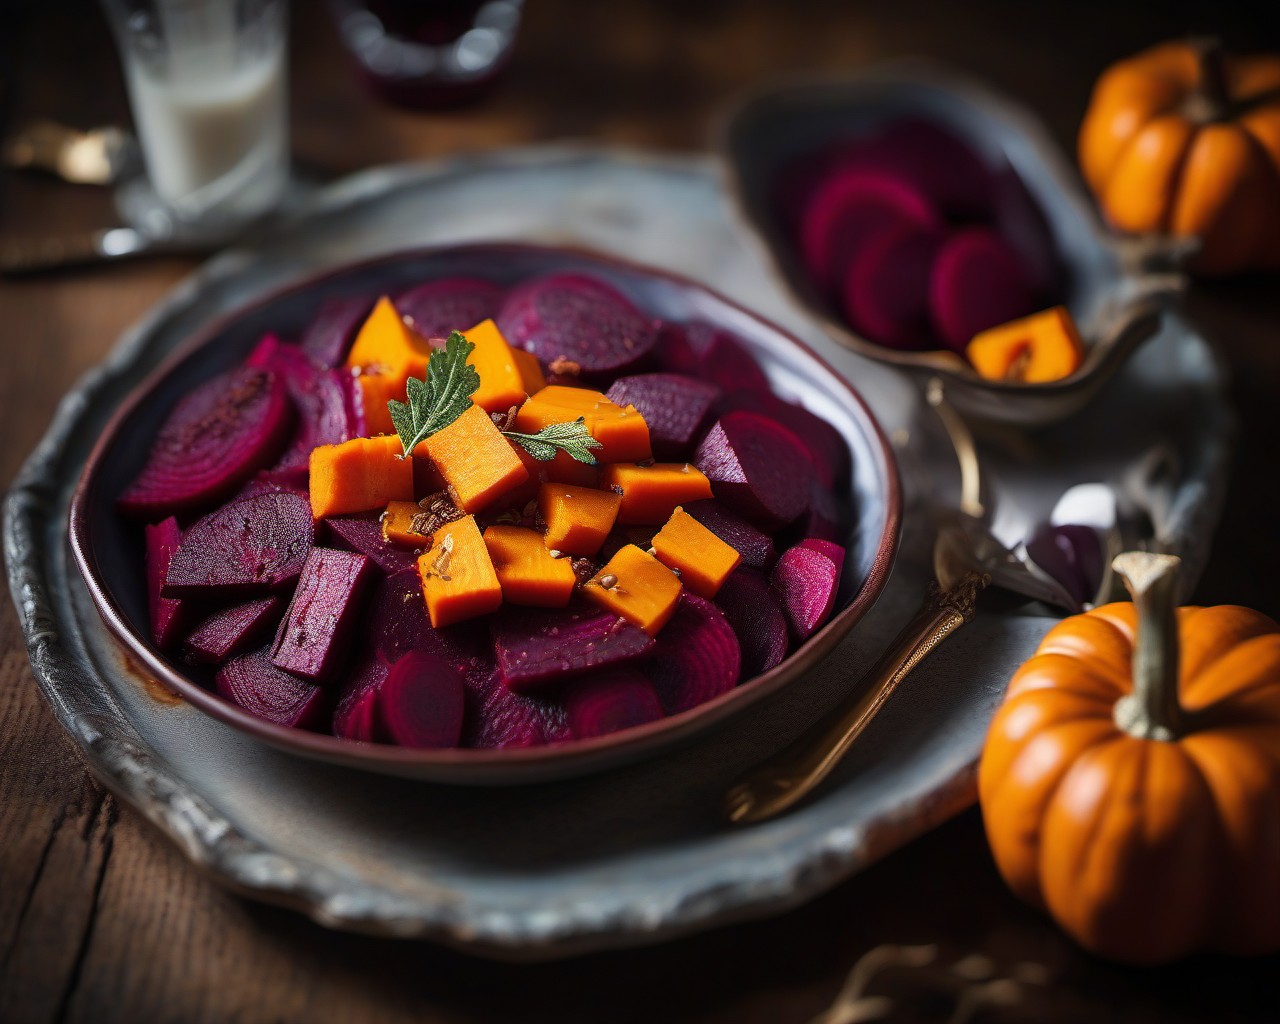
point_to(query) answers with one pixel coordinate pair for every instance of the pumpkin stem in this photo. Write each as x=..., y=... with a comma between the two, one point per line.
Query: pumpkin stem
x=1152, y=711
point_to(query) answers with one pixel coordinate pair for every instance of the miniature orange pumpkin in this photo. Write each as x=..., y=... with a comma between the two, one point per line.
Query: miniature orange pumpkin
x=1130, y=782
x=1185, y=141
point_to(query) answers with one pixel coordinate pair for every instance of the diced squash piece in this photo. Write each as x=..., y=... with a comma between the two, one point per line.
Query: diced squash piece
x=636, y=586
x=583, y=400
x=385, y=354
x=651, y=493
x=621, y=431
x=1035, y=349
x=457, y=574
x=703, y=559
x=565, y=469
x=525, y=569
x=375, y=390
x=501, y=384
x=397, y=525
x=359, y=475
x=578, y=518
x=530, y=371
x=477, y=463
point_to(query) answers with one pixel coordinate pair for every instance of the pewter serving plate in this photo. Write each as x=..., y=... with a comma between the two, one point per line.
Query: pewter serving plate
x=636, y=854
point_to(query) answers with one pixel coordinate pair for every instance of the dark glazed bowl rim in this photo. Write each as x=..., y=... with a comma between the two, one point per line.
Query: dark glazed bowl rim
x=466, y=765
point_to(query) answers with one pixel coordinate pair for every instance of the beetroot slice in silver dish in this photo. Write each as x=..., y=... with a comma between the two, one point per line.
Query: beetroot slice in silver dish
x=610, y=701
x=255, y=685
x=420, y=702
x=757, y=467
x=697, y=657
x=755, y=615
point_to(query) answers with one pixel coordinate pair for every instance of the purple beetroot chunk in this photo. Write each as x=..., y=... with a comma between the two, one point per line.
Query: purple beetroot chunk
x=674, y=406
x=231, y=630
x=421, y=702
x=168, y=615
x=978, y=282
x=824, y=442
x=697, y=657
x=945, y=167
x=534, y=646
x=451, y=304
x=356, y=716
x=576, y=319
x=711, y=354
x=608, y=702
x=255, y=685
x=755, y=615
x=823, y=519
x=267, y=482
x=806, y=580
x=886, y=287
x=396, y=621
x=329, y=336
x=500, y=719
x=757, y=467
x=362, y=533
x=314, y=639
x=251, y=547
x=216, y=437
x=755, y=546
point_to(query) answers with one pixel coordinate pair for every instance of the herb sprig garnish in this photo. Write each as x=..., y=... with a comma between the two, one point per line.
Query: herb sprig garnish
x=446, y=394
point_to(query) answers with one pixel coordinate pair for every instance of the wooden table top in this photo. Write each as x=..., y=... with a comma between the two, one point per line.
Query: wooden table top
x=101, y=919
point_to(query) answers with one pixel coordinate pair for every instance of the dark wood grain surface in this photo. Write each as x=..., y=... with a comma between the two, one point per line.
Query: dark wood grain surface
x=101, y=919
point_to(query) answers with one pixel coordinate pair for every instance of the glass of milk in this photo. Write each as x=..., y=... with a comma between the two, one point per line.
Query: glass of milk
x=206, y=84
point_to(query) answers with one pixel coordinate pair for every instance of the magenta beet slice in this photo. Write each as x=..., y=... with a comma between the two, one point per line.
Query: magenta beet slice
x=267, y=482
x=977, y=282
x=674, y=407
x=314, y=638
x=396, y=623
x=501, y=719
x=329, y=336
x=363, y=534
x=450, y=304
x=824, y=442
x=886, y=287
x=944, y=166
x=420, y=702
x=578, y=319
x=711, y=354
x=356, y=715
x=755, y=547
x=231, y=630
x=852, y=208
x=755, y=615
x=535, y=646
x=216, y=437
x=249, y=547
x=255, y=685
x=168, y=615
x=609, y=702
x=697, y=657
x=822, y=519
x=757, y=467
x=806, y=580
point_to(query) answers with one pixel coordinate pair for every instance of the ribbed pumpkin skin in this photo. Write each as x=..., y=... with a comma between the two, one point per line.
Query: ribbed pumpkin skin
x=1157, y=164
x=1143, y=850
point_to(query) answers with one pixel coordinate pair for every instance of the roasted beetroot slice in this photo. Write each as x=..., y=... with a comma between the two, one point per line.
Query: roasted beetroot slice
x=255, y=685
x=420, y=703
x=396, y=623
x=245, y=549
x=941, y=163
x=806, y=580
x=710, y=354
x=268, y=482
x=674, y=406
x=824, y=443
x=215, y=438
x=356, y=716
x=363, y=534
x=755, y=615
x=535, y=646
x=697, y=657
x=231, y=630
x=977, y=282
x=823, y=519
x=886, y=288
x=576, y=319
x=328, y=337
x=608, y=702
x=169, y=616
x=450, y=304
x=757, y=467
x=755, y=546
x=500, y=719
x=313, y=641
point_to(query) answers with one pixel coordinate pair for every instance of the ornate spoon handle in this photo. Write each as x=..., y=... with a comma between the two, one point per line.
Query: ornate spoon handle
x=796, y=771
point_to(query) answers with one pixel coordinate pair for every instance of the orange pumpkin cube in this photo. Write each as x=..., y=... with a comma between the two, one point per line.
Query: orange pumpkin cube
x=651, y=493
x=359, y=475
x=578, y=518
x=621, y=431
x=638, y=587
x=530, y=371
x=1035, y=349
x=703, y=559
x=458, y=580
x=385, y=354
x=501, y=383
x=397, y=525
x=527, y=572
x=477, y=463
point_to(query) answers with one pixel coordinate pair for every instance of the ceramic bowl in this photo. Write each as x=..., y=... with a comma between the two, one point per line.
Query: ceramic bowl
x=109, y=552
x=1115, y=288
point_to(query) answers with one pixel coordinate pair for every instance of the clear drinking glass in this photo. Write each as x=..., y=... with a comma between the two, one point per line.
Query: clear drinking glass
x=206, y=81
